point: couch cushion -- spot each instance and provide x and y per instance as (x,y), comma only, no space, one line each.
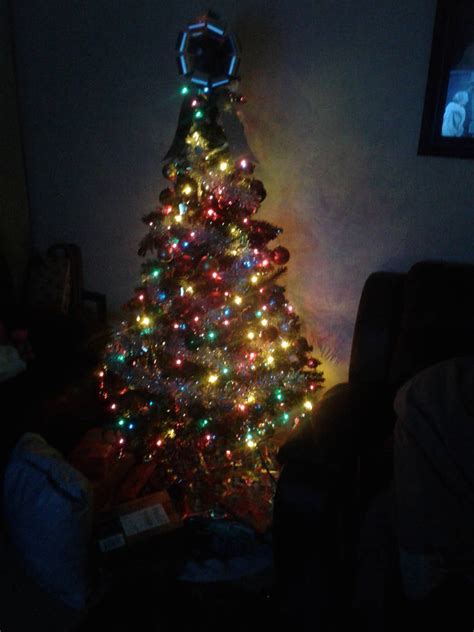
(437,321)
(48,512)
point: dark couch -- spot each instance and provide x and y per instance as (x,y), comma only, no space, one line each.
(340,461)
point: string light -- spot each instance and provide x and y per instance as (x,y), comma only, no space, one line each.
(215,325)
(249,440)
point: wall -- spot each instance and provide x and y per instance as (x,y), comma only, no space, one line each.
(336,93)
(14,230)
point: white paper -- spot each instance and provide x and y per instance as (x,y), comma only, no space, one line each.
(144,520)
(111,542)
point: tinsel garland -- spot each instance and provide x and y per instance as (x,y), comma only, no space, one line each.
(209,372)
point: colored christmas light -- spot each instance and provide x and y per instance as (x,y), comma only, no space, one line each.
(209,368)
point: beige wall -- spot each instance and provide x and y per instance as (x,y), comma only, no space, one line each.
(14,231)
(336,91)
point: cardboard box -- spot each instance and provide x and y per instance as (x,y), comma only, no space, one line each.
(136,521)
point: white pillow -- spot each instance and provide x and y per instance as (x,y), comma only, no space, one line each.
(48,513)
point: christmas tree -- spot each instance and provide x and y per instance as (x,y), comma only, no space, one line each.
(210,372)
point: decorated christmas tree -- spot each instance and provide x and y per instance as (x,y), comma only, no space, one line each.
(210,372)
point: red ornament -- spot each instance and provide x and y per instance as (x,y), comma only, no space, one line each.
(215,298)
(166,196)
(259,190)
(184,264)
(270,334)
(280,255)
(302,345)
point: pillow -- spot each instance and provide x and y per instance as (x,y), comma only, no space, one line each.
(48,513)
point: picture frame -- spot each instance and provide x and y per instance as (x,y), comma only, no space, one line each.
(447,127)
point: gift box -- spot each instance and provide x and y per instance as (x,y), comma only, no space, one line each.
(130,523)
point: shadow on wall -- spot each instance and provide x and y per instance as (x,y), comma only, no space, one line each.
(264,70)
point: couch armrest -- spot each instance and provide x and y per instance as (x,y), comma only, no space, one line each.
(377,327)
(349,419)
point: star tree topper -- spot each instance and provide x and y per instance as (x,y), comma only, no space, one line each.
(209,59)
(208,56)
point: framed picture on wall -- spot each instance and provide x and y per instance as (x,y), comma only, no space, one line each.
(447,127)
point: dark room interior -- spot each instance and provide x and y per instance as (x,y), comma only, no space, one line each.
(236,315)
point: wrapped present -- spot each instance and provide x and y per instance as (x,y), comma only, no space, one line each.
(135,481)
(105,490)
(127,524)
(95,454)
